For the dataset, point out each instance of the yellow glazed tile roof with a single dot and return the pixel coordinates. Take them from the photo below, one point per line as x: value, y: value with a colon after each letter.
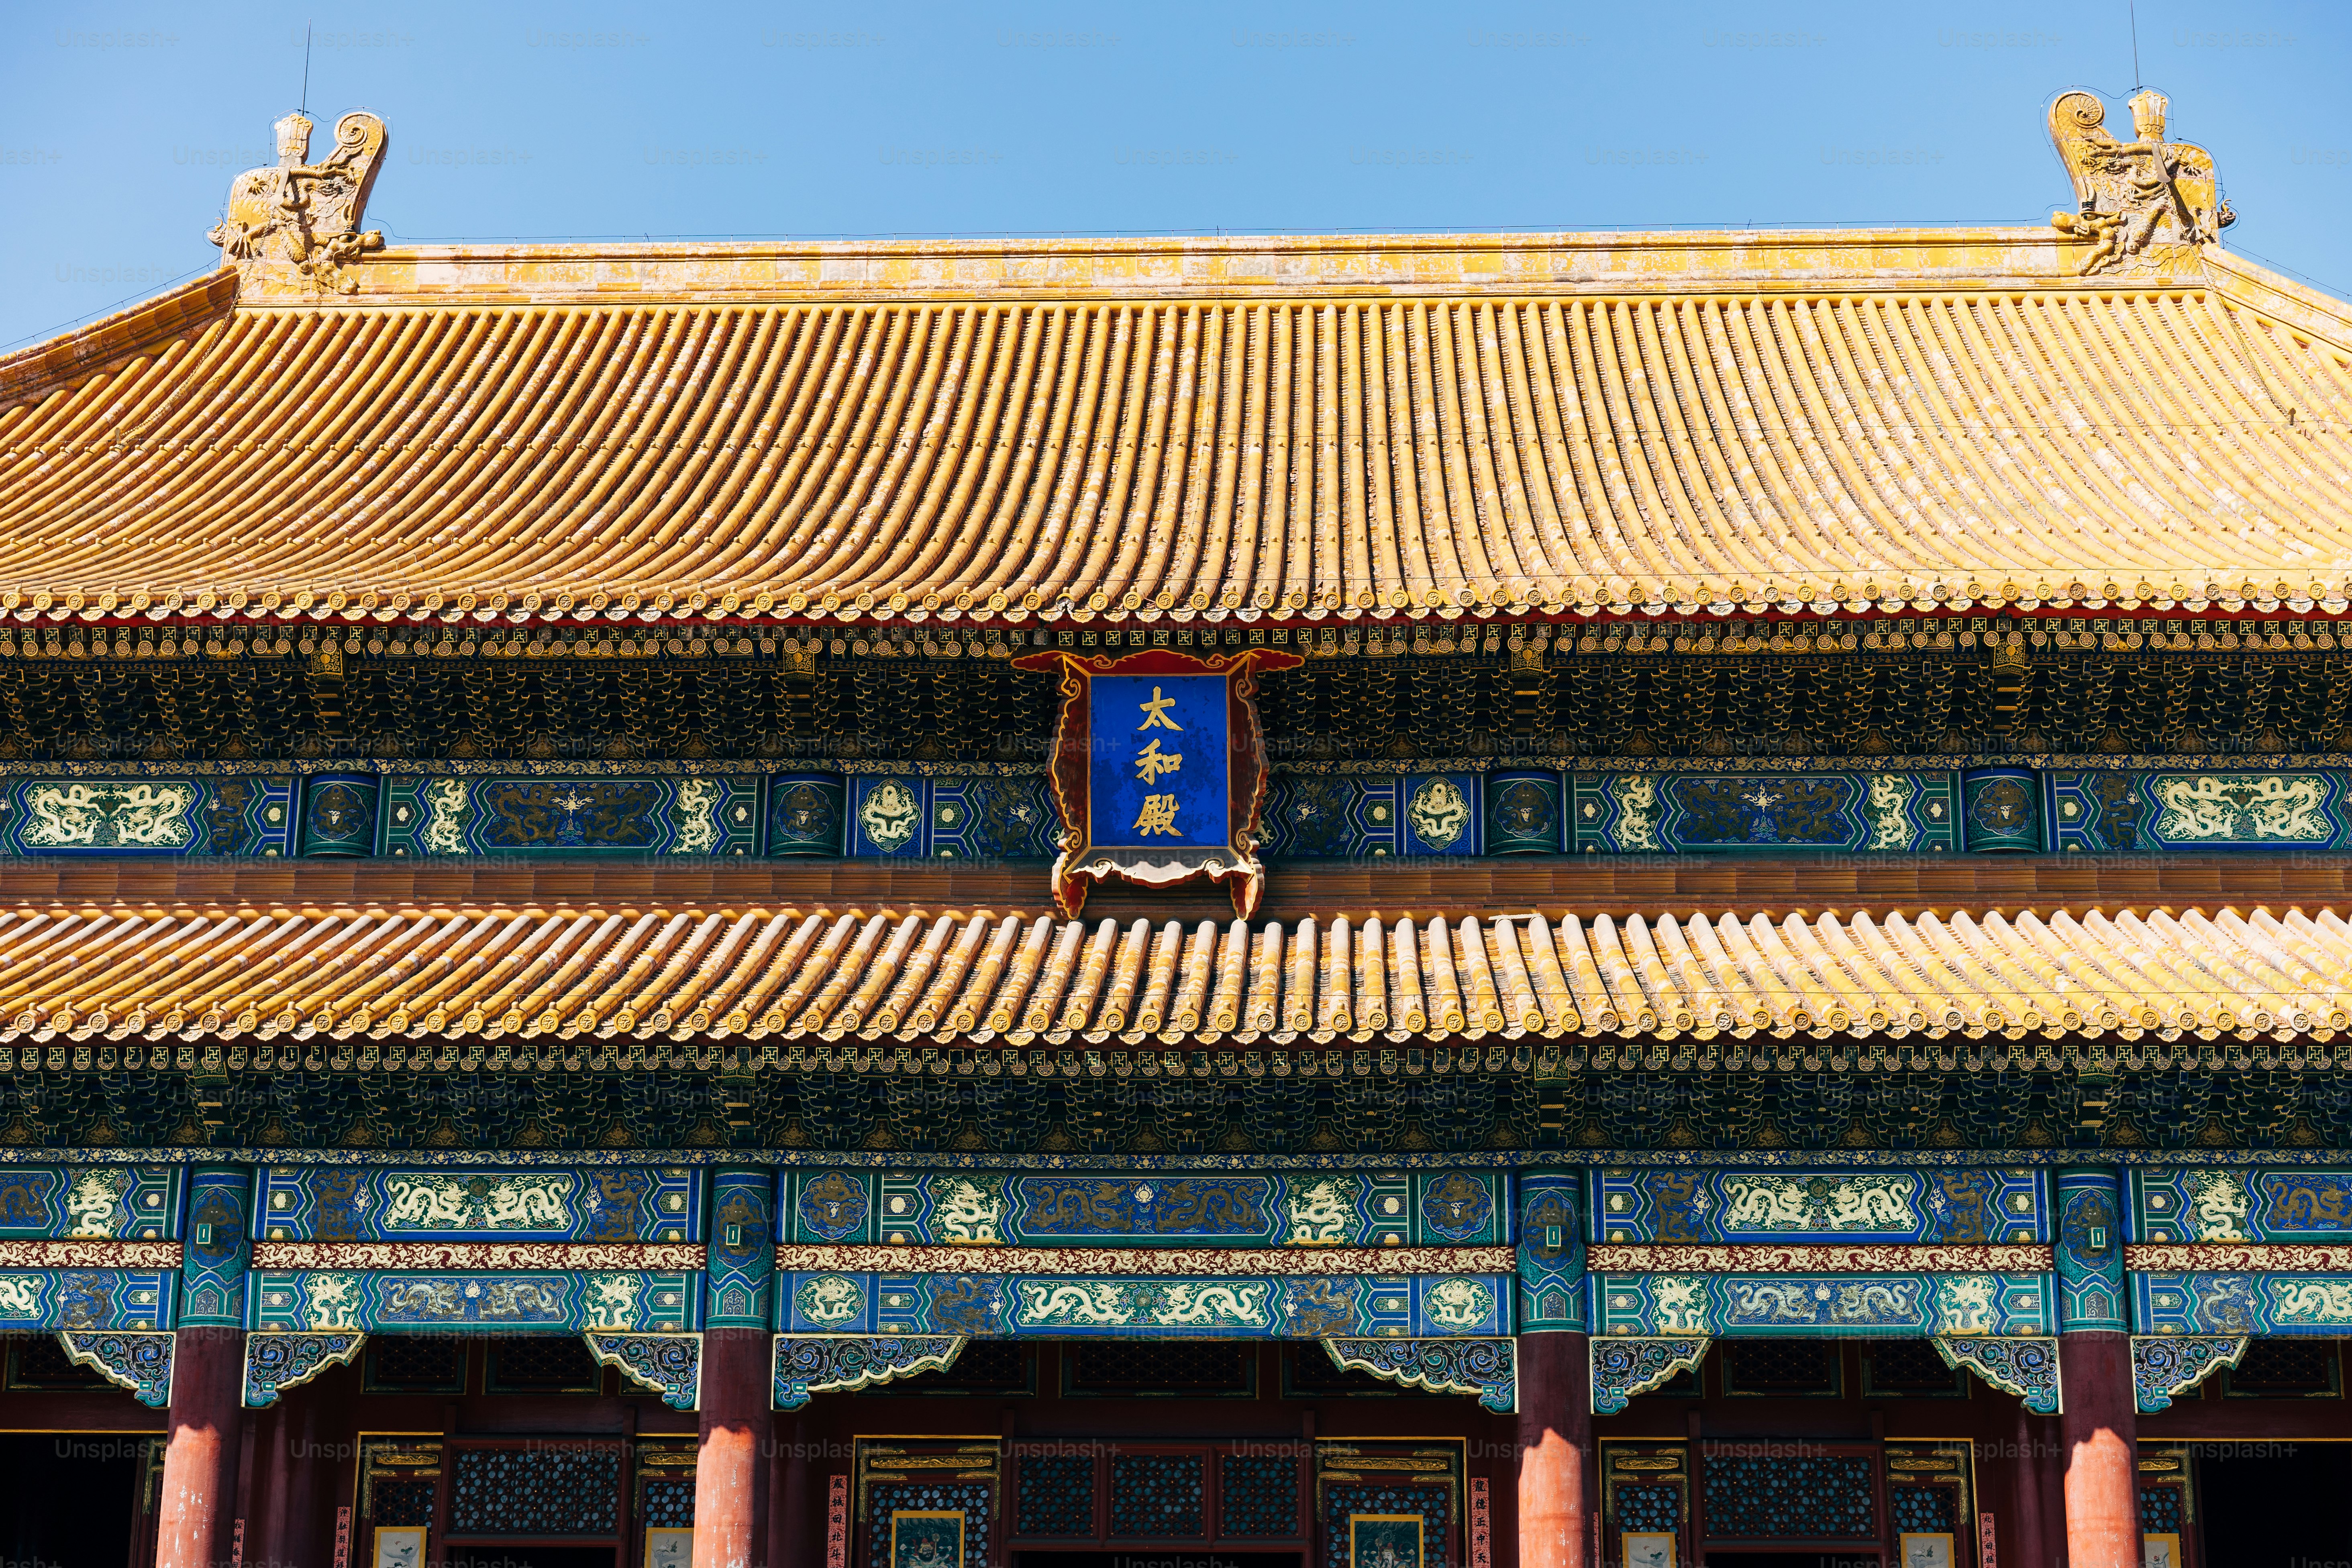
x: 117, y: 972
x: 1381, y: 426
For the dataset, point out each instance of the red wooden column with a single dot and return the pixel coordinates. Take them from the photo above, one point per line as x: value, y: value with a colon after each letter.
x: 1555, y: 1438
x: 2095, y: 1434
x: 788, y: 1492
x: 735, y: 1396
x: 737, y: 1380
x: 2030, y: 1543
x: 2097, y: 1426
x: 1554, y: 1371
x: 199, y: 1486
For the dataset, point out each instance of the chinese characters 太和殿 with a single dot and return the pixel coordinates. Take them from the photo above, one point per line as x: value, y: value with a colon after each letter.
x: 1158, y: 812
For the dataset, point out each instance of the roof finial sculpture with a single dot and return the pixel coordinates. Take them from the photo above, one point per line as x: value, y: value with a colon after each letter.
x: 2129, y: 195
x: 305, y: 213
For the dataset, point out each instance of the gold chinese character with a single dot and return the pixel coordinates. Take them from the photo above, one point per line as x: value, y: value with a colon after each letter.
x: 1155, y: 713
x: 1158, y: 815
x: 1151, y: 761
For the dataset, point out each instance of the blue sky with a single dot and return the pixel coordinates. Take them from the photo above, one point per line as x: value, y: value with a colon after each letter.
x: 121, y: 125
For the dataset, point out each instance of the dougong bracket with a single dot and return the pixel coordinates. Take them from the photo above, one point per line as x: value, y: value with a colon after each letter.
x: 1488, y: 1368
x: 2025, y: 1367
x: 2164, y: 1366
x: 1622, y: 1368
x: 837, y: 1363
x: 140, y: 1363
x: 275, y: 1362
x: 669, y: 1365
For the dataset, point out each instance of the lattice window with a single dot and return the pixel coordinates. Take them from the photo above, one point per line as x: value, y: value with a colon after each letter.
x: 1307, y: 1373
x: 1789, y: 1498
x: 984, y: 1366
x: 549, y: 1365
x: 885, y: 1498
x: 1174, y: 1366
x: 2159, y: 1510
x: 1924, y: 1510
x: 408, y: 1364
x: 2285, y: 1369
x: 1157, y: 1496
x: 550, y: 1490
x: 1788, y: 1368
x: 1055, y: 1495
x: 401, y: 1502
x: 40, y: 1363
x: 1649, y: 1508
x: 1257, y: 1496
x: 1912, y: 1367
x: 668, y: 1502
x: 1430, y: 1502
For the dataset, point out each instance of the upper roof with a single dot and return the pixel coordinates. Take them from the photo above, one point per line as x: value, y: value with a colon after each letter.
x: 1372, y: 426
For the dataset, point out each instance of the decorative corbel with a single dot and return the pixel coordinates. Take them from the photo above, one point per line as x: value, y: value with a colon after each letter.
x: 1487, y: 1368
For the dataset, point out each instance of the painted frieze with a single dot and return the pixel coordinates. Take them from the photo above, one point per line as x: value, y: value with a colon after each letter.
x: 1200, y: 1307
x: 217, y: 813
x: 925, y: 816
x: 685, y: 813
x: 1830, y: 1305
x: 90, y: 1202
x: 1158, y: 768
x: 1330, y: 816
x: 1138, y: 1262
x: 1766, y: 814
x: 607, y: 1203
x: 1421, y: 1208
x: 2241, y: 1303
x: 1360, y: 816
x: 1951, y: 1204
x: 2094, y: 810
x: 550, y: 1301
x: 2289, y: 1206
x: 39, y: 1300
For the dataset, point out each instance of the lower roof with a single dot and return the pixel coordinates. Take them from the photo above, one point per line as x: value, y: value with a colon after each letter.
x: 484, y: 970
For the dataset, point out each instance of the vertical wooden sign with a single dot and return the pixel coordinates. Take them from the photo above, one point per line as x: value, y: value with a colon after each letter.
x: 836, y: 1522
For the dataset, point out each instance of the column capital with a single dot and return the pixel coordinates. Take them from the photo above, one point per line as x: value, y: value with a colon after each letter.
x: 739, y: 1287
x: 1549, y: 1231
x: 2089, y: 1250
x: 217, y: 1253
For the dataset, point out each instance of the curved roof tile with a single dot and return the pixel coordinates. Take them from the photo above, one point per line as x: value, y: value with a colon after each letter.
x: 823, y: 975
x: 1387, y: 437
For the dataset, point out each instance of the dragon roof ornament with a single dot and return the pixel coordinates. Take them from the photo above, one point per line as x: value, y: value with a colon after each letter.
x: 2134, y: 200
x: 303, y: 213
